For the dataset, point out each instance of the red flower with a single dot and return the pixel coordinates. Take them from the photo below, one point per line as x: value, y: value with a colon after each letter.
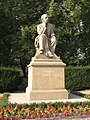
x: 21, y: 117
x: 48, y: 107
x: 16, y: 118
x: 44, y: 115
x: 5, y: 118
x: 28, y: 117
x: 10, y: 118
x: 39, y: 116
x: 42, y: 111
x: 35, y: 111
x: 63, y: 107
x: 81, y: 106
x: 11, y: 108
x: 65, y: 113
x: 1, y: 118
x: 72, y: 107
x: 28, y: 108
x: 16, y: 105
x: 53, y: 110
x: 8, y: 107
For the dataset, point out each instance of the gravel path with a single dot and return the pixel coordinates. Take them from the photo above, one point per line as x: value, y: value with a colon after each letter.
x: 67, y: 118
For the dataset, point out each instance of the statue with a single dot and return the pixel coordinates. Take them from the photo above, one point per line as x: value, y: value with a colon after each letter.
x: 45, y: 42
x: 46, y: 70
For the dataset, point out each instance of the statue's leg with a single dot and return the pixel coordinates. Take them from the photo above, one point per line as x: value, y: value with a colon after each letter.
x: 52, y: 46
x: 43, y: 43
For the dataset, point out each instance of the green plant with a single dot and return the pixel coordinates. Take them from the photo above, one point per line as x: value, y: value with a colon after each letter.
x: 4, y: 100
x: 77, y: 78
x: 10, y: 79
x: 87, y: 96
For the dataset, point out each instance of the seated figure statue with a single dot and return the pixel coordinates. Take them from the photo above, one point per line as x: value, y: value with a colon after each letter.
x: 45, y: 42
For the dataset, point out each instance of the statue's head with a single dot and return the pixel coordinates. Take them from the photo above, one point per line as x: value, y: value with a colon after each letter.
x: 44, y: 18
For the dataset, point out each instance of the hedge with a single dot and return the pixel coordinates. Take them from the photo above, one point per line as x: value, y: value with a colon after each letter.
x: 77, y: 78
x: 10, y: 79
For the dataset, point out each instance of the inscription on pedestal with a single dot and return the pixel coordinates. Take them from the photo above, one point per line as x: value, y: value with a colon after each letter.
x: 48, y: 73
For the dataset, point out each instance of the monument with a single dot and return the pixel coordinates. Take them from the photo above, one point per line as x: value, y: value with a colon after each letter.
x: 46, y: 79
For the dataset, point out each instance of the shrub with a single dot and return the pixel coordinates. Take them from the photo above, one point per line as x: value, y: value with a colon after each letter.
x: 87, y: 96
x: 77, y: 78
x: 10, y: 79
x: 4, y: 100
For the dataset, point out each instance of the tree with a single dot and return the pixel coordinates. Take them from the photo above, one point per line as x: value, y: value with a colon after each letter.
x: 67, y: 16
x: 85, y: 33
x: 18, y: 26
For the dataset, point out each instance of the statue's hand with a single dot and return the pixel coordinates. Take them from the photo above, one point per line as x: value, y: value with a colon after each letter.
x: 53, y: 40
x: 44, y: 24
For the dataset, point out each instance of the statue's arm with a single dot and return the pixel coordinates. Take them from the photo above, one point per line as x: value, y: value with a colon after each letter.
x: 52, y: 32
x: 41, y: 29
x: 53, y: 38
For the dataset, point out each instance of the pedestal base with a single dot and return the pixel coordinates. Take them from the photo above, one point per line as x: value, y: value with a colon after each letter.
x: 46, y: 80
x: 47, y: 94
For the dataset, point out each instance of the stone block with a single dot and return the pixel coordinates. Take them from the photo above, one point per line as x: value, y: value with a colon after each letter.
x: 46, y: 80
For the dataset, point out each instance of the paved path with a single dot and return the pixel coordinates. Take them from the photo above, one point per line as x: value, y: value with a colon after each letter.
x: 67, y: 118
x: 21, y: 98
x: 1, y: 95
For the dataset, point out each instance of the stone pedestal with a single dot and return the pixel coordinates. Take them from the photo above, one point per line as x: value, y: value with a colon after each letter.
x: 46, y: 80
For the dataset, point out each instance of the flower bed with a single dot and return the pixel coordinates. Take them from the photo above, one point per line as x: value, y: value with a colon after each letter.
x: 44, y: 110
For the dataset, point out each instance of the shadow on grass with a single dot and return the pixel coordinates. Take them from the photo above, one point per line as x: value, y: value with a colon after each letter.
x: 80, y: 94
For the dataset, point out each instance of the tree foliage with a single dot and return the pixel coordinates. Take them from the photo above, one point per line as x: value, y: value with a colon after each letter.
x: 70, y: 28
x: 18, y: 20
